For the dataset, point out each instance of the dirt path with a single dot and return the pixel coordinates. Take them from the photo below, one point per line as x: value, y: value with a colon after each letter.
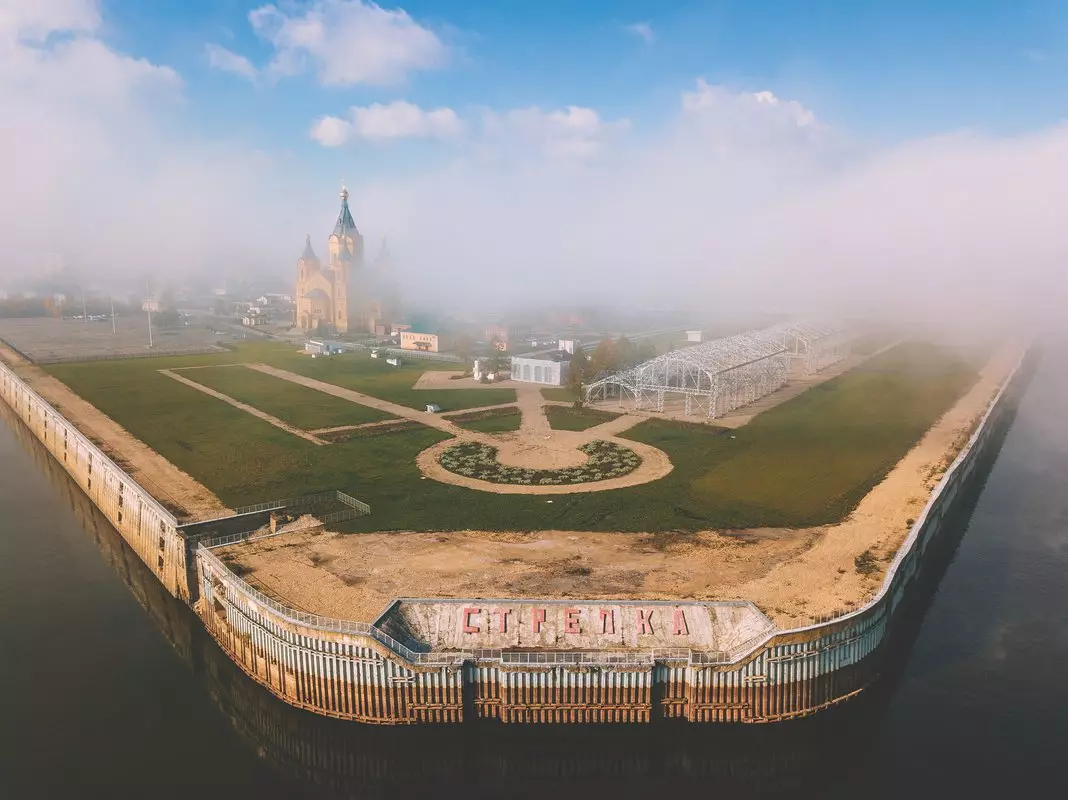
x: 426, y: 418
x: 285, y: 426
x: 655, y: 465
x: 794, y: 576
x: 178, y: 491
x: 534, y: 446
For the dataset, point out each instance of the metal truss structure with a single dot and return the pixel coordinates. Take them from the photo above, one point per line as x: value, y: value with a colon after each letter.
x: 818, y: 344
x: 721, y: 375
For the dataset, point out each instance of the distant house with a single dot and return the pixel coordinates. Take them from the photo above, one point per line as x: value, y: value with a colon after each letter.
x: 566, y: 345
x: 394, y: 361
x: 693, y: 336
x: 498, y: 334
x: 422, y: 342
x: 550, y: 369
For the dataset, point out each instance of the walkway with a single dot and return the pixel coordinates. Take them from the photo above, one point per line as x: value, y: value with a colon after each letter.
x: 534, y: 446
x: 285, y: 426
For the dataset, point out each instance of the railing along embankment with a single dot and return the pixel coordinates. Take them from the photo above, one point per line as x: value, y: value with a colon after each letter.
x: 144, y: 523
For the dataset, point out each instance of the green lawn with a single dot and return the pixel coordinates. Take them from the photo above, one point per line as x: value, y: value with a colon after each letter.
x: 562, y: 418
x: 493, y: 422
x: 559, y: 393
x: 806, y: 462
x: 376, y: 378
x: 357, y: 371
x: 298, y: 405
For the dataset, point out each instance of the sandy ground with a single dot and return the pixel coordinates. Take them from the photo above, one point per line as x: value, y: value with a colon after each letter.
x: 177, y: 490
x: 794, y: 576
x: 356, y: 576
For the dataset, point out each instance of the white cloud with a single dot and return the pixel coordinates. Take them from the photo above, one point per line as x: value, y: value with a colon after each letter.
x: 574, y: 131
x: 706, y: 209
x: 34, y: 20
x: 712, y: 101
x: 107, y: 173
x: 348, y: 41
x: 228, y: 61
x: 643, y: 30
x: 331, y: 131
x: 380, y: 123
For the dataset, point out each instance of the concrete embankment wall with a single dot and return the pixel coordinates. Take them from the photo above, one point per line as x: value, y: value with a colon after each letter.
x: 356, y: 671
x: 147, y: 526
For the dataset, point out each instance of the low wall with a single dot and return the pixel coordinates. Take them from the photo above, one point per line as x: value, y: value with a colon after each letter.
x: 357, y: 671
x: 147, y: 526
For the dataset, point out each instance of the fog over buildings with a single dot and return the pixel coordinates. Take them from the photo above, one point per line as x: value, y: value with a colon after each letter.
x: 736, y: 197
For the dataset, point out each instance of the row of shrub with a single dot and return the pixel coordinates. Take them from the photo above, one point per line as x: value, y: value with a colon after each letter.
x: 477, y: 460
x: 485, y: 413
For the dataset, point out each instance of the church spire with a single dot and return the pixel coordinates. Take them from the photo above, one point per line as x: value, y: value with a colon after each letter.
x: 345, y: 224
x: 308, y: 254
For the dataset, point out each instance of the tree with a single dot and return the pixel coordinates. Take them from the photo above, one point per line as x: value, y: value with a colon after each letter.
x: 626, y: 353
x: 496, y: 359
x: 576, y: 374
x: 604, y: 359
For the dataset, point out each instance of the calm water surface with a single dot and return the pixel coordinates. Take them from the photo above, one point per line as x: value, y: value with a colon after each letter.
x: 110, y: 688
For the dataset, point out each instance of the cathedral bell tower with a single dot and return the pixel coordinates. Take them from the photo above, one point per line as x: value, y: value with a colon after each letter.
x: 346, y: 262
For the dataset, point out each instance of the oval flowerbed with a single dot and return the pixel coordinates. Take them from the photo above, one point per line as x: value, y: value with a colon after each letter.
x: 476, y: 460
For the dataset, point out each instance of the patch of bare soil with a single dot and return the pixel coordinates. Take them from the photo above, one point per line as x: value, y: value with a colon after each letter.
x: 182, y: 494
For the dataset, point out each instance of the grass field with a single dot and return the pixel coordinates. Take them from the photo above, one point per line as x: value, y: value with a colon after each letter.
x: 354, y: 371
x: 562, y: 418
x: 559, y: 393
x: 493, y: 422
x: 805, y: 462
x: 298, y: 405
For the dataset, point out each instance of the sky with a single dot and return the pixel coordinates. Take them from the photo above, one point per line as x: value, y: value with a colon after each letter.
x: 803, y: 152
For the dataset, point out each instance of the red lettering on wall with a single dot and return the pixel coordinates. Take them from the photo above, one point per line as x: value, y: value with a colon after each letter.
x: 537, y: 619
x: 680, y: 627
x: 468, y: 613
x: 608, y: 620
x: 502, y: 615
x: 645, y: 621
x: 571, y: 621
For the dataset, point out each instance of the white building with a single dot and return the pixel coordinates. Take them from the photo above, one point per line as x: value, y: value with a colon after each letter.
x: 566, y: 345
x: 693, y: 336
x: 550, y: 369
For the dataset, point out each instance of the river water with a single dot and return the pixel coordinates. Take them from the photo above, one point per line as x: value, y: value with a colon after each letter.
x: 111, y: 689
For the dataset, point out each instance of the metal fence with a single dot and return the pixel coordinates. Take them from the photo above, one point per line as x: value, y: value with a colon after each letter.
x: 354, y: 508
x: 307, y: 501
x: 326, y: 623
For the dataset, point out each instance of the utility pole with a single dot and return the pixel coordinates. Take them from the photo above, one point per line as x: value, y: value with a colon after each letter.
x: 85, y: 314
x: 112, y: 299
x: 148, y: 308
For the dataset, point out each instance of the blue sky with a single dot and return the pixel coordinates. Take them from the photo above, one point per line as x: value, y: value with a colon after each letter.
x: 767, y: 147
x: 881, y: 70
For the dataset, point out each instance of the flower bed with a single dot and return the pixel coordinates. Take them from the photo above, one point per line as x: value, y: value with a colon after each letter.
x: 475, y: 460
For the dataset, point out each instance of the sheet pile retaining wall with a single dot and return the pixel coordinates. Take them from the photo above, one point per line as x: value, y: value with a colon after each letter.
x: 147, y: 526
x: 353, y: 670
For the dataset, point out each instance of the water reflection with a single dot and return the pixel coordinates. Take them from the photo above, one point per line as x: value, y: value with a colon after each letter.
x: 347, y: 759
